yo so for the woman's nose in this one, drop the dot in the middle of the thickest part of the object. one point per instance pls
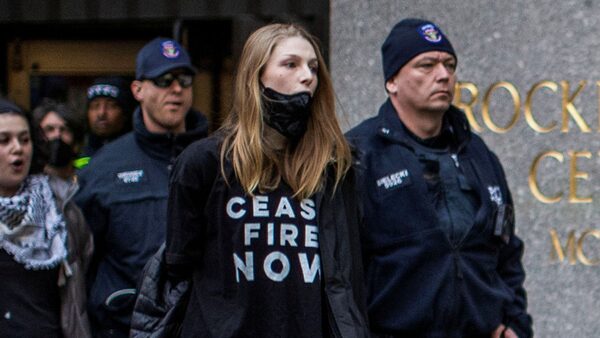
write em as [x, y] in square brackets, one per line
[307, 76]
[17, 146]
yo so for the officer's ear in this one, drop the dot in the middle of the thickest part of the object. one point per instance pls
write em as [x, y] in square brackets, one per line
[136, 89]
[390, 85]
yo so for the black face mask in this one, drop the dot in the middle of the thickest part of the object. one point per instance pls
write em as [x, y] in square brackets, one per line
[288, 114]
[60, 153]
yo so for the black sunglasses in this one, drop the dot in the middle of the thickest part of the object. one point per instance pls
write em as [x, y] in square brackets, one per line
[165, 81]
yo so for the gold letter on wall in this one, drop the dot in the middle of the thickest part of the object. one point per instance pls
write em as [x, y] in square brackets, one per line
[467, 107]
[574, 175]
[559, 251]
[532, 179]
[580, 255]
[568, 108]
[529, 113]
[485, 111]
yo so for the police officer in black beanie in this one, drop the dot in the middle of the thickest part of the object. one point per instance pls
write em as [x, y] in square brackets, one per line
[109, 108]
[442, 256]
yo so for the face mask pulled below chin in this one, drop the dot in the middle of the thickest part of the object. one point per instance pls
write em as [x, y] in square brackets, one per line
[288, 114]
[60, 154]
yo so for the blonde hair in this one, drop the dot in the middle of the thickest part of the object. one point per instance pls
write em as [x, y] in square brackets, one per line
[303, 166]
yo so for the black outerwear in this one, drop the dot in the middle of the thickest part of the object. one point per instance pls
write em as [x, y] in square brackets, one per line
[197, 193]
[95, 143]
[123, 195]
[420, 284]
[160, 304]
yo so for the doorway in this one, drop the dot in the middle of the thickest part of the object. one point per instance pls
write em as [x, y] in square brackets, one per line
[64, 69]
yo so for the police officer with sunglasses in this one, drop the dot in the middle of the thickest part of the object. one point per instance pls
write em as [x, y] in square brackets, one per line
[124, 189]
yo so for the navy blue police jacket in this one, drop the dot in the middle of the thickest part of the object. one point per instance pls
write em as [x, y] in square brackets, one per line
[123, 195]
[420, 284]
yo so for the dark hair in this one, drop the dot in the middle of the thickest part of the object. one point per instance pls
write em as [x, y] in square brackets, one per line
[39, 158]
[73, 121]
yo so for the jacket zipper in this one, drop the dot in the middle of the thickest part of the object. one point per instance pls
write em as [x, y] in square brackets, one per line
[457, 280]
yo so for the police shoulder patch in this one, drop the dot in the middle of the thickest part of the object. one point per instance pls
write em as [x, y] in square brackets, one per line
[495, 194]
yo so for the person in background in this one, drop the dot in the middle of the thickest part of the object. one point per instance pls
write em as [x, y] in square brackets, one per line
[44, 243]
[63, 130]
[124, 188]
[443, 259]
[262, 216]
[109, 109]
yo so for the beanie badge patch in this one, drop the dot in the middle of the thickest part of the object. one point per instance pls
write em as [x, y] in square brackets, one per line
[103, 90]
[430, 33]
[169, 50]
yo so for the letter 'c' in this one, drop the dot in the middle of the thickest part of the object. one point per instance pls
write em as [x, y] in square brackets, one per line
[235, 214]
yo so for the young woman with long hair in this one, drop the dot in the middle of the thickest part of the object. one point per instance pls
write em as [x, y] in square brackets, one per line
[263, 216]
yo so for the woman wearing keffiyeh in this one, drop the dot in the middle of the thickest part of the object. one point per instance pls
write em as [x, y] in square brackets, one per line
[42, 251]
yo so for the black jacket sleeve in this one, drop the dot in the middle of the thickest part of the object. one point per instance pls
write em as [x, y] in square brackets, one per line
[160, 305]
[96, 218]
[190, 185]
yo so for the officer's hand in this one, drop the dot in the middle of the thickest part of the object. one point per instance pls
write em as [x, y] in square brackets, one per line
[507, 334]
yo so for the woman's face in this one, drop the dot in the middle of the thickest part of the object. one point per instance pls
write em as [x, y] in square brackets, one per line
[16, 152]
[292, 67]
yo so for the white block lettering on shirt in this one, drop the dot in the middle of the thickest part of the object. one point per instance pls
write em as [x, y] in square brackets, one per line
[268, 266]
[285, 208]
[250, 231]
[260, 206]
[310, 271]
[247, 267]
[289, 233]
[235, 214]
[308, 209]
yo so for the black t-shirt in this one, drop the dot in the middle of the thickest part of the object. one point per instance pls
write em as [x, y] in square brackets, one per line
[276, 263]
[29, 300]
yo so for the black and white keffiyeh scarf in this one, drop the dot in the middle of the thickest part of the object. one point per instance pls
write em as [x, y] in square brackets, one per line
[32, 229]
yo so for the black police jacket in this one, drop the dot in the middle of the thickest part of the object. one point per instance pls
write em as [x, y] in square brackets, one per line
[197, 197]
[421, 284]
[123, 195]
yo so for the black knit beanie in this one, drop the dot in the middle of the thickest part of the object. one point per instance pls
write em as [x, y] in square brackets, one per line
[116, 88]
[409, 38]
[7, 106]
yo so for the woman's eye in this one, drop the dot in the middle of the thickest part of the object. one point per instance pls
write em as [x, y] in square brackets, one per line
[290, 65]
